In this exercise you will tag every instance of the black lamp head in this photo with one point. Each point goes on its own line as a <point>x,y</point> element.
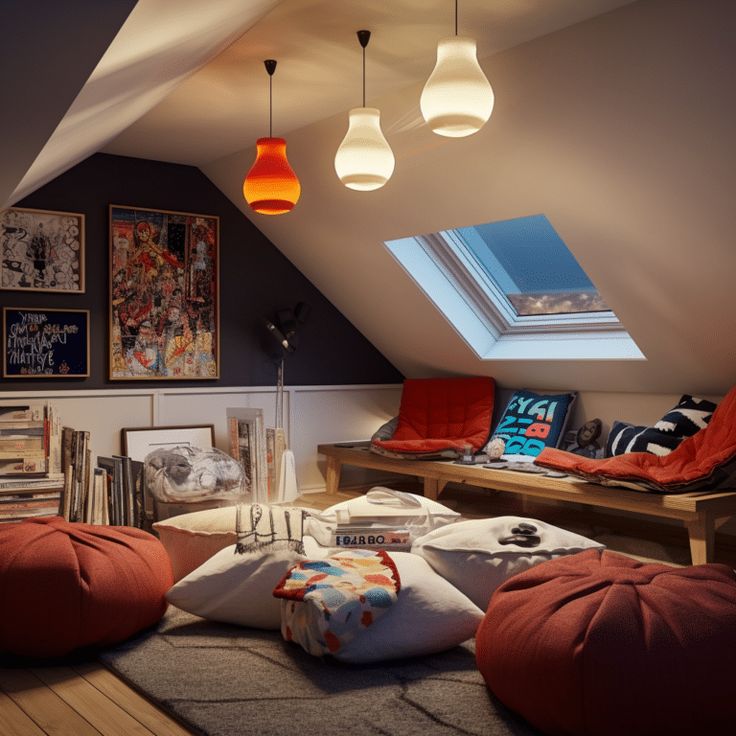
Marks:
<point>284,326</point>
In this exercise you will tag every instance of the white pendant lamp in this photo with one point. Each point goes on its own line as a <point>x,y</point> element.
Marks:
<point>364,160</point>
<point>457,99</point>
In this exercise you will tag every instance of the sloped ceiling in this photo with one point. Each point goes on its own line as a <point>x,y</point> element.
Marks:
<point>159,45</point>
<point>224,107</point>
<point>618,128</point>
<point>42,71</point>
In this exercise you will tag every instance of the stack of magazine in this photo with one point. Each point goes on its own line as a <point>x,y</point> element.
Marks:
<point>31,478</point>
<point>379,519</point>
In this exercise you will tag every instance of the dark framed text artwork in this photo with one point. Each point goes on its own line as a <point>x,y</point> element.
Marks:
<point>45,343</point>
<point>164,295</point>
<point>41,250</point>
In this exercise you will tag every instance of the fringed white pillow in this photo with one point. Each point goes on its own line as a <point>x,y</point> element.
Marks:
<point>235,585</point>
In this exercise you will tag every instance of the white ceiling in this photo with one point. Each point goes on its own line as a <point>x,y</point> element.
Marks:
<point>619,129</point>
<point>223,107</point>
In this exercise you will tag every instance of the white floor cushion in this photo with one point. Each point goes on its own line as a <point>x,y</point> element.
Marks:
<point>429,615</point>
<point>191,539</point>
<point>238,588</point>
<point>477,556</point>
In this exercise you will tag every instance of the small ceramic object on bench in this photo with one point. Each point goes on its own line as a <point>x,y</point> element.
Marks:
<point>495,448</point>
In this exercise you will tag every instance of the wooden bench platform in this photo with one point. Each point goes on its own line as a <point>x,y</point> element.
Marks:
<point>701,513</point>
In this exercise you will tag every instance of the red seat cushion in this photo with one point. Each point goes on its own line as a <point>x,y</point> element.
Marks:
<point>64,586</point>
<point>598,644</point>
<point>701,462</point>
<point>442,413</point>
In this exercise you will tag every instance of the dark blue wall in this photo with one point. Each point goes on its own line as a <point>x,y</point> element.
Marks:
<point>256,279</point>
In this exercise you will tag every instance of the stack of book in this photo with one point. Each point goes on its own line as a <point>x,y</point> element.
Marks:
<point>75,458</point>
<point>260,451</point>
<point>31,478</point>
<point>119,486</point>
<point>109,493</point>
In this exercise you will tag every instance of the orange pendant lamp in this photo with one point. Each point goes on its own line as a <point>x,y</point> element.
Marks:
<point>271,187</point>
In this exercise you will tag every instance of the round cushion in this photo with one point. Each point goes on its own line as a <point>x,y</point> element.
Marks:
<point>66,585</point>
<point>603,645</point>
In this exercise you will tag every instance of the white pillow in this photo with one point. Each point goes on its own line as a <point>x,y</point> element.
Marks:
<point>238,588</point>
<point>473,557</point>
<point>429,615</point>
<point>381,513</point>
<point>389,506</point>
<point>191,539</point>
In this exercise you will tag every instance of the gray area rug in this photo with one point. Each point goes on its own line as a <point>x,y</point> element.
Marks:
<point>224,680</point>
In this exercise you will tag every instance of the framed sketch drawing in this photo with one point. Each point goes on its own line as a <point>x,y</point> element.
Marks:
<point>164,295</point>
<point>41,250</point>
<point>45,343</point>
<point>137,442</point>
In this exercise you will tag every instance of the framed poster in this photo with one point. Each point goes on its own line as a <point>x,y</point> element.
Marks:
<point>164,295</point>
<point>41,250</point>
<point>137,442</point>
<point>45,343</point>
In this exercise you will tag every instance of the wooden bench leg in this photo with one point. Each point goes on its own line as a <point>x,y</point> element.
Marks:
<point>433,487</point>
<point>702,538</point>
<point>332,475</point>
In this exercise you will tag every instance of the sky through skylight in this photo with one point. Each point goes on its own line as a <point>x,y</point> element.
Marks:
<point>532,265</point>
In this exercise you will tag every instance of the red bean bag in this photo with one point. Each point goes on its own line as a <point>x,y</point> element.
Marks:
<point>705,461</point>
<point>441,414</point>
<point>598,644</point>
<point>64,586</point>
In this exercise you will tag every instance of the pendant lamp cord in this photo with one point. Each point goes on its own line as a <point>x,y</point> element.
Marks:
<point>270,65</point>
<point>456,17</point>
<point>363,38</point>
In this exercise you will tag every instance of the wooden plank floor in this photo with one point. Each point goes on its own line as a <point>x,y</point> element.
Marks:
<point>77,700</point>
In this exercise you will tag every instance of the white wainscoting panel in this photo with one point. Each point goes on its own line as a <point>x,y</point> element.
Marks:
<point>322,414</point>
<point>210,407</point>
<point>312,414</point>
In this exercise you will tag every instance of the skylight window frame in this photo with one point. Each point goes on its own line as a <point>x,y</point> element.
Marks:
<point>491,304</point>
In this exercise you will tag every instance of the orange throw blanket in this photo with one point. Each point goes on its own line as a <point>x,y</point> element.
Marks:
<point>705,461</point>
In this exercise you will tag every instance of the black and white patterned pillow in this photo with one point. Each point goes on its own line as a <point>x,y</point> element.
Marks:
<point>684,420</point>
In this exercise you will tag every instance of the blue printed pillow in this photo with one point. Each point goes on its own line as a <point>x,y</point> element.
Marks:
<point>532,422</point>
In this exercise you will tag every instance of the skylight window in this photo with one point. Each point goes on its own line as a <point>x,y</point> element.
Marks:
<point>513,290</point>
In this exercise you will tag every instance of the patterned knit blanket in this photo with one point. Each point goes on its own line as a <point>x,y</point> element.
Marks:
<point>327,603</point>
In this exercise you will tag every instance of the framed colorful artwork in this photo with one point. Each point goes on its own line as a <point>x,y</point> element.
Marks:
<point>41,250</point>
<point>164,295</point>
<point>45,343</point>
